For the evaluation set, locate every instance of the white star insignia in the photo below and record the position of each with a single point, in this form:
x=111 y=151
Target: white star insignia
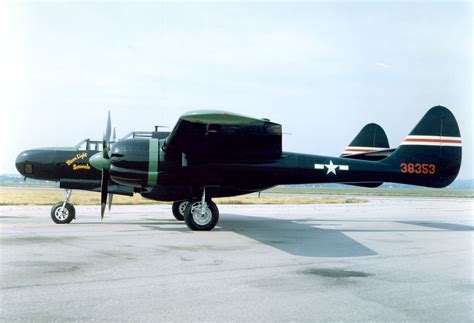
x=331 y=168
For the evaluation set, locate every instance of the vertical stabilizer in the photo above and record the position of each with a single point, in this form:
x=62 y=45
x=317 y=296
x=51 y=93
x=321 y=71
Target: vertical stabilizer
x=370 y=139
x=431 y=154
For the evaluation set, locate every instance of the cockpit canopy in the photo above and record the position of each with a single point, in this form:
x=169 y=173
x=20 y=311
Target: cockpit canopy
x=88 y=144
x=96 y=145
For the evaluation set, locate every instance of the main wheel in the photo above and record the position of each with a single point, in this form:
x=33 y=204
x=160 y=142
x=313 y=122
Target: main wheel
x=63 y=216
x=198 y=219
x=178 y=209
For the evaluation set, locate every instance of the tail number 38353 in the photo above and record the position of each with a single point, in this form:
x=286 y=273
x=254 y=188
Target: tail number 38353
x=412 y=168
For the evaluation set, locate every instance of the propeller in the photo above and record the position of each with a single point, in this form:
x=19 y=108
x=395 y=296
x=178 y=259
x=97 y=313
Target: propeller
x=111 y=195
x=101 y=161
x=103 y=191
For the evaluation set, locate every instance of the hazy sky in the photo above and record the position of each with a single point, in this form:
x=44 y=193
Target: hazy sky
x=321 y=69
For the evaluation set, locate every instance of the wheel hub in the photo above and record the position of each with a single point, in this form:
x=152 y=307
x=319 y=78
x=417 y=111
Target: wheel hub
x=182 y=207
x=201 y=216
x=61 y=213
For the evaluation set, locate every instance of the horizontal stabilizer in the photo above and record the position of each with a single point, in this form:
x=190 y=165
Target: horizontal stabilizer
x=368 y=185
x=372 y=155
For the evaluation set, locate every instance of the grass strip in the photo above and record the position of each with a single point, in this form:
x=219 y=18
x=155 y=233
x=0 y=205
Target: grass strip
x=26 y=196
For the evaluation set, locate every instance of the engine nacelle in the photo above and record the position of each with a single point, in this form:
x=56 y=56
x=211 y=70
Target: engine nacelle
x=135 y=162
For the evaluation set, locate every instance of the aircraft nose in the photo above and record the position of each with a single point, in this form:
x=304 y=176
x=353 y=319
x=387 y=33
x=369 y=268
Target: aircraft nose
x=35 y=163
x=21 y=160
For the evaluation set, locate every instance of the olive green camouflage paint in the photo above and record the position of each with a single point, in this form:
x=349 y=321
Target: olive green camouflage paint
x=153 y=162
x=221 y=117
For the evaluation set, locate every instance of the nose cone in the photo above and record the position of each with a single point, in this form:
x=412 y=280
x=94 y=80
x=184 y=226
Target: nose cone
x=98 y=161
x=21 y=162
x=36 y=163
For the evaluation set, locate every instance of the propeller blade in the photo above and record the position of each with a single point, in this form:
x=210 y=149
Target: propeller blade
x=106 y=138
x=104 y=191
x=111 y=197
x=114 y=136
x=102 y=161
x=108 y=130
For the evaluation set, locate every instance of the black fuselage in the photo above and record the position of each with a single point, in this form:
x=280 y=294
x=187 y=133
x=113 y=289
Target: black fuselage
x=227 y=154
x=181 y=178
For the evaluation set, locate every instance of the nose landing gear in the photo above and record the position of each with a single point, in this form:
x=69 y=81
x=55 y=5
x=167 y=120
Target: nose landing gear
x=63 y=212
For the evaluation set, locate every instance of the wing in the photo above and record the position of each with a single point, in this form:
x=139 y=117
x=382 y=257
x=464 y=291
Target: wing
x=94 y=185
x=224 y=135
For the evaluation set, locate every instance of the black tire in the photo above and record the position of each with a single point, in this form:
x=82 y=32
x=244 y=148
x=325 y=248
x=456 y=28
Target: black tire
x=68 y=215
x=209 y=220
x=178 y=209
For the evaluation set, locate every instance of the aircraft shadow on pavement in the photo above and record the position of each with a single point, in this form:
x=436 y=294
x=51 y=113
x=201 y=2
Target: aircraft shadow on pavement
x=145 y=223
x=299 y=239
x=440 y=225
x=295 y=237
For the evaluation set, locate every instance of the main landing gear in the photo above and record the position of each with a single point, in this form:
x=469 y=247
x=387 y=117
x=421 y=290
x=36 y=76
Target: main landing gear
x=178 y=209
x=63 y=212
x=199 y=215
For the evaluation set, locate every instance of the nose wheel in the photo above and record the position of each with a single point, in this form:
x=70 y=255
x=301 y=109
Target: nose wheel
x=63 y=212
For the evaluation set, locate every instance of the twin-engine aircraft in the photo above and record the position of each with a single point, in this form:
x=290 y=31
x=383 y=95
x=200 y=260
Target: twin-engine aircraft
x=213 y=154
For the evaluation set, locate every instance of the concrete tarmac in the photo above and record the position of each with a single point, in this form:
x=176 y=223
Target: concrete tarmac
x=391 y=259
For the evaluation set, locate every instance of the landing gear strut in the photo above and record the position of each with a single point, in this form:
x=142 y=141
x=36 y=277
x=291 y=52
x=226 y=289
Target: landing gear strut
x=63 y=212
x=202 y=214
